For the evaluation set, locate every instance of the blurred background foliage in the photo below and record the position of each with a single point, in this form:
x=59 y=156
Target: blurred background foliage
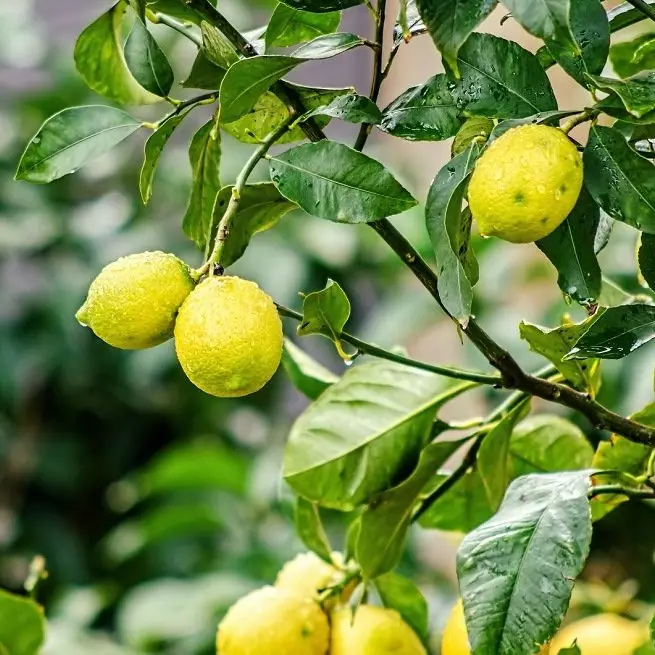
x=155 y=505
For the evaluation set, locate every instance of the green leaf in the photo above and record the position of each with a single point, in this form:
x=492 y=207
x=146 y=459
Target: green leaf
x=153 y=149
x=305 y=373
x=248 y=79
x=261 y=207
x=620 y=181
x=204 y=74
x=646 y=258
x=342 y=463
x=538 y=540
x=570 y=248
x=443 y=213
x=401 y=594
x=551 y=118
x=351 y=107
x=637 y=93
x=612 y=294
x=603 y=233
x=139 y=7
x=70 y=139
x=631 y=57
x=386 y=520
x=309 y=528
x=290 y=26
x=319 y=6
x=652 y=631
x=549 y=20
x=216 y=47
x=451 y=23
x=500 y=79
x=574 y=650
x=613 y=106
x=22 y=629
x=409 y=23
x=476 y=129
x=205 y=158
x=466 y=253
x=101 y=62
x=147 y=62
x=423 y=113
x=177 y=9
x=494 y=463
x=332 y=181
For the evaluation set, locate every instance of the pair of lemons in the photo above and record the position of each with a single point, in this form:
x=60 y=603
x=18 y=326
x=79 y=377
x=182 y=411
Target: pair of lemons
x=228 y=334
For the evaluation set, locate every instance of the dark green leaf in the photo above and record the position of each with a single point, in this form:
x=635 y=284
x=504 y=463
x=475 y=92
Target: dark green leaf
x=423 y=113
x=205 y=158
x=652 y=631
x=310 y=529
x=101 y=62
x=465 y=252
x=443 y=213
x=401 y=594
x=204 y=74
x=289 y=26
x=617 y=333
x=22 y=628
x=551 y=118
x=332 y=181
x=613 y=106
x=306 y=374
x=260 y=208
x=409 y=23
x=574 y=650
x=625 y=15
x=249 y=78
x=70 y=139
x=647 y=259
x=570 y=248
x=386 y=520
x=342 y=463
x=147 y=62
x=631 y=57
x=476 y=129
x=500 y=79
x=538 y=540
x=177 y=9
x=450 y=24
x=637 y=93
x=319 y=6
x=620 y=181
x=351 y=107
x=216 y=47
x=549 y=20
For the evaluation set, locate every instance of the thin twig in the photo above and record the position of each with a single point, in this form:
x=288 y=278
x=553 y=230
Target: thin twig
x=644 y=494
x=578 y=119
x=184 y=30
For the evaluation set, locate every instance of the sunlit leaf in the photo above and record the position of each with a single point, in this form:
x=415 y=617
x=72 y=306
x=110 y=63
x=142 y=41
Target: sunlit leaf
x=289 y=26
x=306 y=374
x=476 y=129
x=631 y=57
x=22 y=628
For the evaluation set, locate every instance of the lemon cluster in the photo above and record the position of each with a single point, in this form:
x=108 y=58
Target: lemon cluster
x=287 y=619
x=228 y=334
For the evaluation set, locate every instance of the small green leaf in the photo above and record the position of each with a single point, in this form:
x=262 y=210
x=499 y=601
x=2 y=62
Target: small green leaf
x=305 y=373
x=549 y=20
x=71 y=138
x=205 y=158
x=310 y=529
x=290 y=26
x=637 y=93
x=332 y=181
x=351 y=107
x=476 y=129
x=247 y=79
x=631 y=57
x=409 y=23
x=646 y=258
x=538 y=539
x=260 y=208
x=22 y=629
x=574 y=650
x=320 y=6
x=401 y=594
x=451 y=23
x=147 y=62
x=423 y=113
x=570 y=248
x=617 y=333
x=204 y=74
x=216 y=47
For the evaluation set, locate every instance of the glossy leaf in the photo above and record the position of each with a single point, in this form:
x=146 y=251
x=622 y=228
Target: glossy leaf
x=305 y=373
x=409 y=23
x=350 y=107
x=205 y=158
x=451 y=23
x=260 y=208
x=22 y=629
x=71 y=138
x=548 y=20
x=335 y=182
x=289 y=26
x=443 y=212
x=570 y=248
x=319 y=6
x=637 y=93
x=631 y=57
x=401 y=594
x=310 y=529
x=516 y=572
x=646 y=259
x=249 y=78
x=424 y=113
x=147 y=61
x=620 y=180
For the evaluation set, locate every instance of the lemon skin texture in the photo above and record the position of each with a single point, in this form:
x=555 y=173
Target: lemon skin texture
x=228 y=337
x=374 y=631
x=133 y=302
x=602 y=634
x=525 y=184
x=307 y=574
x=273 y=621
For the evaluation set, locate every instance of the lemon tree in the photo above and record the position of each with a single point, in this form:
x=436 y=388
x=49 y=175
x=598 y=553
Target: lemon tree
x=526 y=169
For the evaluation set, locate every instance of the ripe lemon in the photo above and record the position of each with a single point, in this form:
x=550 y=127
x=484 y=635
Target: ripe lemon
x=133 y=302
x=307 y=575
x=374 y=631
x=602 y=634
x=228 y=337
x=273 y=621
x=525 y=184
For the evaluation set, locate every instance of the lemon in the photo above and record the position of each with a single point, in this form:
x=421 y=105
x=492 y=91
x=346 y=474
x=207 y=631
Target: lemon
x=602 y=634
x=307 y=574
x=133 y=302
x=273 y=621
x=228 y=337
x=525 y=184
x=372 y=631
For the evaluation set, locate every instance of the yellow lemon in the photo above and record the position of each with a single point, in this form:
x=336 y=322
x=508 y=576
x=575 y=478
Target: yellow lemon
x=228 y=337
x=373 y=631
x=133 y=302
x=273 y=621
x=307 y=574
x=602 y=634
x=525 y=184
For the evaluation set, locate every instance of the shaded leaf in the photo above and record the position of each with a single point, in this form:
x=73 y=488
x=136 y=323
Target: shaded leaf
x=216 y=47
x=637 y=93
x=574 y=650
x=549 y=20
x=204 y=74
x=289 y=26
x=22 y=629
x=71 y=138
x=306 y=374
x=319 y=6
x=401 y=594
x=351 y=107
x=310 y=529
x=631 y=57
x=646 y=258
x=409 y=23
x=177 y=9
x=476 y=129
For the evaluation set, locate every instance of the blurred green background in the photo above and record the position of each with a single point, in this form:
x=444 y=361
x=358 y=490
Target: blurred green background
x=155 y=505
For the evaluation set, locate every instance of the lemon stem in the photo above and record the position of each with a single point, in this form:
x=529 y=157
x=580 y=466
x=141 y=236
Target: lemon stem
x=623 y=491
x=578 y=119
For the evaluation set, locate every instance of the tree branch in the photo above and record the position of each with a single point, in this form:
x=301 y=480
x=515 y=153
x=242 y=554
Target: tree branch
x=644 y=8
x=644 y=494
